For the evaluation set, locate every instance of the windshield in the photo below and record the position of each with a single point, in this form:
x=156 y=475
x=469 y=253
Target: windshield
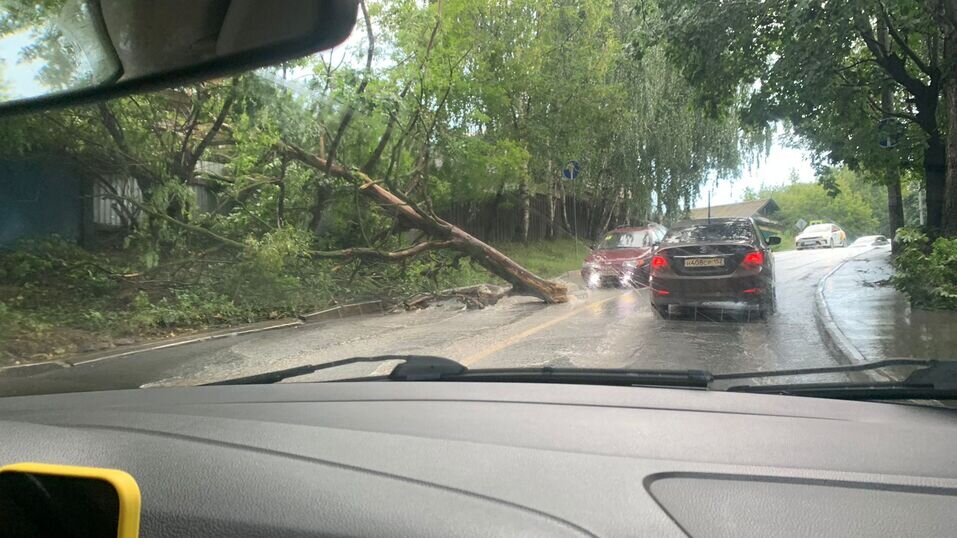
x=707 y=232
x=625 y=240
x=434 y=186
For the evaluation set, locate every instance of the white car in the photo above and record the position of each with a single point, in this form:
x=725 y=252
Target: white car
x=827 y=235
x=871 y=241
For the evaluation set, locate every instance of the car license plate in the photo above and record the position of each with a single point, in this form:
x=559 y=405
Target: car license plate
x=608 y=271
x=704 y=262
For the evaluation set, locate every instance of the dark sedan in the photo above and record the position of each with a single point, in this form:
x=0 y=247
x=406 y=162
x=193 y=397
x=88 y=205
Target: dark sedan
x=706 y=262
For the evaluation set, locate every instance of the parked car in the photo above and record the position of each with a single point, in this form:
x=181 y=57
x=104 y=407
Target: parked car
x=708 y=261
x=871 y=241
x=823 y=235
x=622 y=256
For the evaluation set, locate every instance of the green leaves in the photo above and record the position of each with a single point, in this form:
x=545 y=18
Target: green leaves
x=852 y=203
x=927 y=272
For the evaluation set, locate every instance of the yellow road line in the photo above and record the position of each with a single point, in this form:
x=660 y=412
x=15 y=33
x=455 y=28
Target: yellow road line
x=514 y=339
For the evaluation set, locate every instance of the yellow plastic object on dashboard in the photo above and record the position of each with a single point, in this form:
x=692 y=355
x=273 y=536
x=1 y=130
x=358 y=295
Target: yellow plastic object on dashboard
x=125 y=487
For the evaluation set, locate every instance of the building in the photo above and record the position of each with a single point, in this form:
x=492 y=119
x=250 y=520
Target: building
x=762 y=211
x=44 y=196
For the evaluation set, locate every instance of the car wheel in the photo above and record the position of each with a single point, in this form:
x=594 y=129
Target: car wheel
x=662 y=310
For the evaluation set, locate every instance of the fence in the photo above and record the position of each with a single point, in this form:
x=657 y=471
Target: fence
x=501 y=220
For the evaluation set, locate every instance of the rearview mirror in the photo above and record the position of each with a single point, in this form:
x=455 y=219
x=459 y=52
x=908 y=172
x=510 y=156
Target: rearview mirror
x=774 y=240
x=66 y=52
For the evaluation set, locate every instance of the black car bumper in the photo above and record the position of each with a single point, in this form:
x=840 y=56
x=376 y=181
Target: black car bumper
x=701 y=291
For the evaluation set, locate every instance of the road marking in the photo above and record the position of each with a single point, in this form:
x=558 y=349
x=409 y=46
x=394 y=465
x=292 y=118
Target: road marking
x=475 y=357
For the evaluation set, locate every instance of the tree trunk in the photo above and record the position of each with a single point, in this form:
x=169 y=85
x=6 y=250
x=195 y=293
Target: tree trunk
x=551 y=231
x=611 y=210
x=935 y=177
x=322 y=198
x=949 y=27
x=489 y=226
x=552 y=195
x=526 y=204
x=895 y=203
x=564 y=202
x=522 y=280
x=949 y=217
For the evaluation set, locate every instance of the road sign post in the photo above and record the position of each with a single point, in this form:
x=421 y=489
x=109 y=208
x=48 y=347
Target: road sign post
x=570 y=172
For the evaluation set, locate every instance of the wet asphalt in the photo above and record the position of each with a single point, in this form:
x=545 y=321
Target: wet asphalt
x=604 y=328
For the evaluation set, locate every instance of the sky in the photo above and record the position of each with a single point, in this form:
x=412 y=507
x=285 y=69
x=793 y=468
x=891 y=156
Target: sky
x=775 y=169
x=20 y=76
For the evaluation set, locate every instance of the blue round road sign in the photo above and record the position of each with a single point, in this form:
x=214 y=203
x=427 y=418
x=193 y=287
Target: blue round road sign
x=571 y=170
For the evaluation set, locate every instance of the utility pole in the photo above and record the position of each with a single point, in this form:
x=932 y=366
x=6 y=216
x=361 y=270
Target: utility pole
x=895 y=203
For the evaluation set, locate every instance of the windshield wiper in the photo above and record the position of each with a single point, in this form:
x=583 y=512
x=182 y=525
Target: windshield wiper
x=424 y=363
x=430 y=368
x=937 y=381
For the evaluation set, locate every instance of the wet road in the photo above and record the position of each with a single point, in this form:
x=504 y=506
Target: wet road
x=609 y=328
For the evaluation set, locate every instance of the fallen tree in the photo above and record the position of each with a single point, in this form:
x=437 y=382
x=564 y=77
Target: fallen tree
x=442 y=233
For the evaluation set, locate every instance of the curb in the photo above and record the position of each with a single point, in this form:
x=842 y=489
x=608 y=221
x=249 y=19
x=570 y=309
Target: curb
x=831 y=331
x=24 y=370
x=42 y=367
x=336 y=312
x=344 y=311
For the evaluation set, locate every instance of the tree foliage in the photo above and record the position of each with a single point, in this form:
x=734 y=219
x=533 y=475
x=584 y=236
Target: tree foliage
x=852 y=203
x=832 y=71
x=440 y=102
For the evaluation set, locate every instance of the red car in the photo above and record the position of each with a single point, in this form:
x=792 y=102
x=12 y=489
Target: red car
x=704 y=262
x=622 y=256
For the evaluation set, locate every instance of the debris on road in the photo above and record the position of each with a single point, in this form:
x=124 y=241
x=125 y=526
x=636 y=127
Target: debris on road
x=474 y=297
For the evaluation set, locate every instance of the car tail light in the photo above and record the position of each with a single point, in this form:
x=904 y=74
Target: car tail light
x=659 y=262
x=753 y=258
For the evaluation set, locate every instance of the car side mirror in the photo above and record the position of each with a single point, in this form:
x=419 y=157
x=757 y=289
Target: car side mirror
x=71 y=52
x=774 y=240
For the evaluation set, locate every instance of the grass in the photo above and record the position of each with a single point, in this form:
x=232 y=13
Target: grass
x=57 y=304
x=547 y=259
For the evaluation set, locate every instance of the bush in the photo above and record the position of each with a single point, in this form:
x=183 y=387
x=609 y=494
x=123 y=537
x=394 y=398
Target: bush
x=54 y=260
x=927 y=271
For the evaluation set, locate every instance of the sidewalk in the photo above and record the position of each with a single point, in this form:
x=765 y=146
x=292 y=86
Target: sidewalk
x=870 y=320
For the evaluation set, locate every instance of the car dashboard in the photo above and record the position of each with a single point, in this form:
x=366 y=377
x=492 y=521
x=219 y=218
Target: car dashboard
x=469 y=459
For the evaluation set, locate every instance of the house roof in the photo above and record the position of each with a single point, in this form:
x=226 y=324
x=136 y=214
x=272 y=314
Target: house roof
x=751 y=208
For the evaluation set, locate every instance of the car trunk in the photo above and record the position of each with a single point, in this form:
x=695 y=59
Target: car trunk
x=705 y=259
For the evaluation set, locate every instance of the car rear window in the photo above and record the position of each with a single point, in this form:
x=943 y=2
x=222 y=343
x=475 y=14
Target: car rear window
x=714 y=231
x=625 y=240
